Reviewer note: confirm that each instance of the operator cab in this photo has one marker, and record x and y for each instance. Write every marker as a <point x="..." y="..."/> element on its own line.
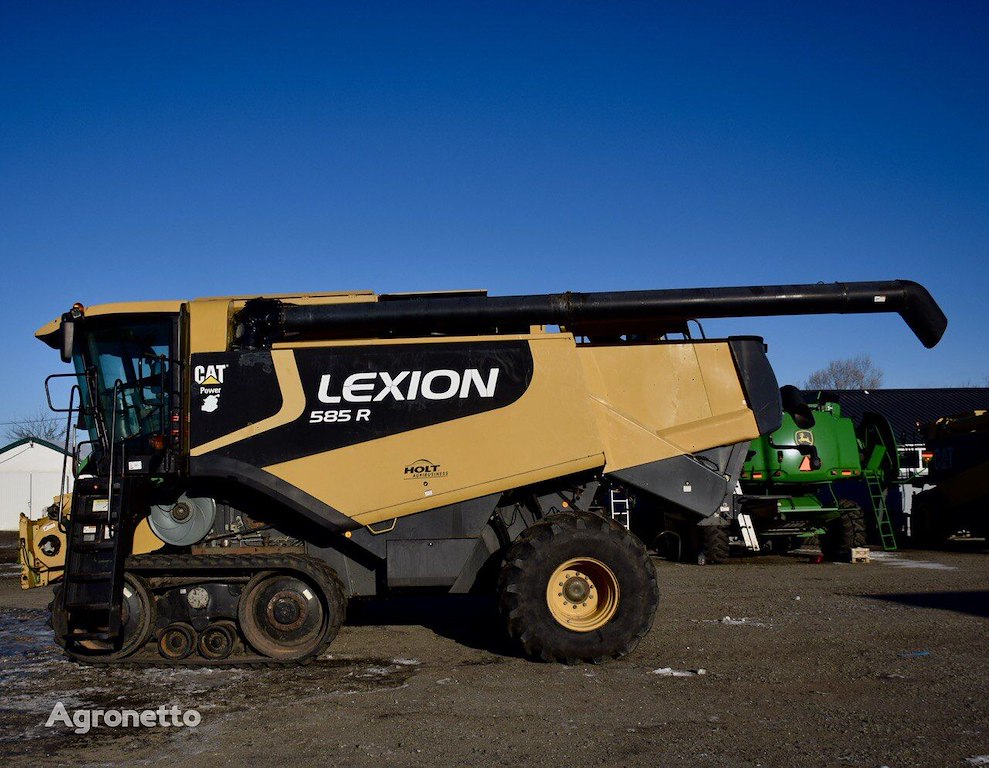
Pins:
<point x="128" y="380"/>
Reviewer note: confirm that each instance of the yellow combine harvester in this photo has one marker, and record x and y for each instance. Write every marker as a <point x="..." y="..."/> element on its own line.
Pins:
<point x="256" y="462"/>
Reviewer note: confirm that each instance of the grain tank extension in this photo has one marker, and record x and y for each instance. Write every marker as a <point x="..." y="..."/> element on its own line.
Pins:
<point x="256" y="462"/>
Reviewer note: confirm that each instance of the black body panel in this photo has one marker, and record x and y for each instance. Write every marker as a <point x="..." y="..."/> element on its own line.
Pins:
<point x="309" y="507"/>
<point x="758" y="382"/>
<point x="685" y="481"/>
<point x="385" y="389"/>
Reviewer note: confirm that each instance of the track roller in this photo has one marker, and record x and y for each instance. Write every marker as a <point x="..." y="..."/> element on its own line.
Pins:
<point x="177" y="641"/>
<point x="218" y="640"/>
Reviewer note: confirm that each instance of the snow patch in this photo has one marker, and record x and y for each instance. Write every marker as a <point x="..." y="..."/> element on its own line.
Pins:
<point x="670" y="672"/>
<point x="898" y="561"/>
<point x="737" y="622"/>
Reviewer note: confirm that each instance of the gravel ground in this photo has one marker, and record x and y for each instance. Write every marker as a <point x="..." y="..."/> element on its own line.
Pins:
<point x="773" y="661"/>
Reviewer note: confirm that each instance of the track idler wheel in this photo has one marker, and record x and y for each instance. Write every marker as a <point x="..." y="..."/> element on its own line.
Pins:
<point x="287" y="616"/>
<point x="177" y="641"/>
<point x="137" y="617"/>
<point x="218" y="640"/>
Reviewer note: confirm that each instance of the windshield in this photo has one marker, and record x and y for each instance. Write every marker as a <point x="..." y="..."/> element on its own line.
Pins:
<point x="128" y="368"/>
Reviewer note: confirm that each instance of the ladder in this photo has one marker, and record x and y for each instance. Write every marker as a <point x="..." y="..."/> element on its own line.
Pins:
<point x="883" y="523"/>
<point x="620" y="508"/>
<point x="749" y="537"/>
<point x="92" y="583"/>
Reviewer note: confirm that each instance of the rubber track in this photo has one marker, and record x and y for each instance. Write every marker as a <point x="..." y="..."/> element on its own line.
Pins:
<point x="151" y="566"/>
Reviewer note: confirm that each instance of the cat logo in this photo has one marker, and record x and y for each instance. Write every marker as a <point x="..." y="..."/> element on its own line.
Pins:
<point x="209" y="375"/>
<point x="803" y="437"/>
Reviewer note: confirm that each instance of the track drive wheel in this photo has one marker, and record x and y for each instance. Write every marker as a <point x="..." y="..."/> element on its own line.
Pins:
<point x="577" y="587"/>
<point x="289" y="615"/>
<point x="844" y="532"/>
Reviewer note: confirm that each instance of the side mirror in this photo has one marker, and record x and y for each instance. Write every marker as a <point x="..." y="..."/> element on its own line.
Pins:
<point x="795" y="405"/>
<point x="68" y="336"/>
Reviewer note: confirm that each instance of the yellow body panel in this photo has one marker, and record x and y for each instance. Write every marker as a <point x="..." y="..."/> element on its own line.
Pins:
<point x="547" y="433"/>
<point x="656" y="401"/>
<point x="37" y="568"/>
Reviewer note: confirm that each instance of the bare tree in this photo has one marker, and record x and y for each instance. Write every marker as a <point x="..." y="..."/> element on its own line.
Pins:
<point x="857" y="372"/>
<point x="42" y="425"/>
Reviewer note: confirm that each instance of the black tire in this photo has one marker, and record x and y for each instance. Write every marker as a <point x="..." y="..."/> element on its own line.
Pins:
<point x="844" y="533"/>
<point x="714" y="544"/>
<point x="606" y="559"/>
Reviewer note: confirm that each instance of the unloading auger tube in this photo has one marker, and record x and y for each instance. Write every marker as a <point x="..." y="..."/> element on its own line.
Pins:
<point x="263" y="321"/>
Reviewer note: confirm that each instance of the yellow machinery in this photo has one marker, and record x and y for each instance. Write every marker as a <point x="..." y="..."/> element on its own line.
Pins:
<point x="289" y="453"/>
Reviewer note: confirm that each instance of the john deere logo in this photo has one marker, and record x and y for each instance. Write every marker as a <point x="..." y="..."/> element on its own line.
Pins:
<point x="420" y="469"/>
<point x="804" y="437"/>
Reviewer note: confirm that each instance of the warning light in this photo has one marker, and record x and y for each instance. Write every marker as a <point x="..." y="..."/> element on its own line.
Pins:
<point x="805" y="464"/>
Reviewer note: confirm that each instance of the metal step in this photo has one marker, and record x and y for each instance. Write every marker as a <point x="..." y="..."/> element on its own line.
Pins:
<point x="105" y="545"/>
<point x="90" y="636"/>
<point x="92" y="517"/>
<point x="91" y="577"/>
<point x="88" y="606"/>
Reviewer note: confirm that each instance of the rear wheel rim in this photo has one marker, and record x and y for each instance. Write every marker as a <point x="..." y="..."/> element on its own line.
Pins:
<point x="582" y="594"/>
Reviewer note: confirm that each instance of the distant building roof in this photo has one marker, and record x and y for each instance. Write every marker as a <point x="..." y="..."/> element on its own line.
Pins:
<point x="907" y="408"/>
<point x="26" y="440"/>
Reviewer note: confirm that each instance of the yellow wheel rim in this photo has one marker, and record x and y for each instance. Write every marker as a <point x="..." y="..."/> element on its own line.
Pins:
<point x="582" y="594"/>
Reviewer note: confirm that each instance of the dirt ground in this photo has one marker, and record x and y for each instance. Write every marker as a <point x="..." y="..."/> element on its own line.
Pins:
<point x="774" y="662"/>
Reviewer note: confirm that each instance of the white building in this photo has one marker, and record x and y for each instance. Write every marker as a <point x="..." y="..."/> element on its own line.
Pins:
<point x="30" y="479"/>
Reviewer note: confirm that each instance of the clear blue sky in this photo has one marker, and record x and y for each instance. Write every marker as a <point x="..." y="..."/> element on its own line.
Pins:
<point x="188" y="149"/>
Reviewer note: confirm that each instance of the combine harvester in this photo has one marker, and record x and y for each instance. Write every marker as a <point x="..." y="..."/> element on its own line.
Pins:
<point x="257" y="462"/>
<point x="799" y="482"/>
<point x="958" y="504"/>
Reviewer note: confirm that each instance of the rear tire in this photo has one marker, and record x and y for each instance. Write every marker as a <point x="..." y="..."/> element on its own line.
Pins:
<point x="577" y="587"/>
<point x="844" y="533"/>
<point x="714" y="544"/>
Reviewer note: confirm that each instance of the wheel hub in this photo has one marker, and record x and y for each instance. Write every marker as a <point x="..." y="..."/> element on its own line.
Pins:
<point x="576" y="589"/>
<point x="582" y="594"/>
<point x="287" y="610"/>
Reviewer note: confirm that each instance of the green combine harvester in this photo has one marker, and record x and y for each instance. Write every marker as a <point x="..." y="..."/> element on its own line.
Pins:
<point x="812" y="476"/>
